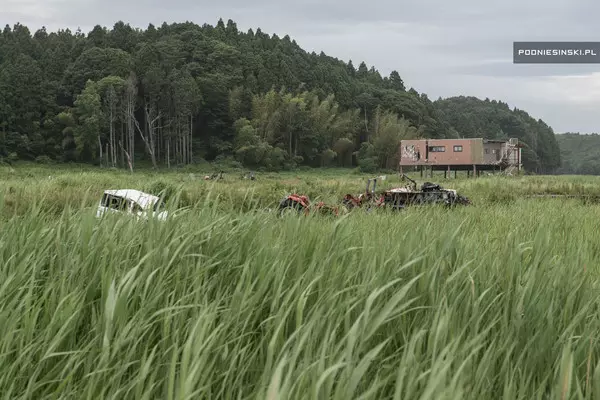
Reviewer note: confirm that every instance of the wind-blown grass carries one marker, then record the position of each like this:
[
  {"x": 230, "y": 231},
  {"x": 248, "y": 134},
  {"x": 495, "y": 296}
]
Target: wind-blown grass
[
  {"x": 54, "y": 189},
  {"x": 476, "y": 302}
]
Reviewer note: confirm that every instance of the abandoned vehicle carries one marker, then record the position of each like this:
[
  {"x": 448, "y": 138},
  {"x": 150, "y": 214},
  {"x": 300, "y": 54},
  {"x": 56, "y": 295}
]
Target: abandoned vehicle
[
  {"x": 395, "y": 199},
  {"x": 132, "y": 202}
]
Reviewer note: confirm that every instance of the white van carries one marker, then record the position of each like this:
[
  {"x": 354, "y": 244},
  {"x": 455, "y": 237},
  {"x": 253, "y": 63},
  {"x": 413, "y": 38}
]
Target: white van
[{"x": 131, "y": 201}]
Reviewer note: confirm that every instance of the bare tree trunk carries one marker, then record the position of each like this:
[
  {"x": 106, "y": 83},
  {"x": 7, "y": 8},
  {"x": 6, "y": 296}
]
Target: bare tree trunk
[
  {"x": 152, "y": 135},
  {"x": 111, "y": 135},
  {"x": 150, "y": 128},
  {"x": 113, "y": 144},
  {"x": 129, "y": 111},
  {"x": 131, "y": 138},
  {"x": 128, "y": 158},
  {"x": 177, "y": 150},
  {"x": 158, "y": 142},
  {"x": 121, "y": 141},
  {"x": 175, "y": 137},
  {"x": 184, "y": 148},
  {"x": 100, "y": 147},
  {"x": 180, "y": 138},
  {"x": 179, "y": 142}
]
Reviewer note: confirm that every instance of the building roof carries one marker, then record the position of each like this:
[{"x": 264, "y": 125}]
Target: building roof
[
  {"x": 495, "y": 141},
  {"x": 145, "y": 200},
  {"x": 459, "y": 139},
  {"x": 451, "y": 139}
]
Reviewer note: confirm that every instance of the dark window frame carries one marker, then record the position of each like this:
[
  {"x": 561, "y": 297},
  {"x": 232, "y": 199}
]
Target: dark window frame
[
  {"x": 437, "y": 149},
  {"x": 115, "y": 202}
]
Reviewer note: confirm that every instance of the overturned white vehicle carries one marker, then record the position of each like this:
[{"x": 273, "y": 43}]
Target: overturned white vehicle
[{"x": 132, "y": 202}]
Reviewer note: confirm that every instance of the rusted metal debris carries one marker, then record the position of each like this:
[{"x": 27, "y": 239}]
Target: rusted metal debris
[
  {"x": 214, "y": 177},
  {"x": 395, "y": 199}
]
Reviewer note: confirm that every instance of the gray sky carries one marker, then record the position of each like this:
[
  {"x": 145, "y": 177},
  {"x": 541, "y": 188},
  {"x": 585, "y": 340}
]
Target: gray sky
[{"x": 442, "y": 48}]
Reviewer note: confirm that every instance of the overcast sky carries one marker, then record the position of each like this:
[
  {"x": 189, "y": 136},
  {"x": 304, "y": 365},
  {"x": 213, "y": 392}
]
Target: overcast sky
[{"x": 439, "y": 47}]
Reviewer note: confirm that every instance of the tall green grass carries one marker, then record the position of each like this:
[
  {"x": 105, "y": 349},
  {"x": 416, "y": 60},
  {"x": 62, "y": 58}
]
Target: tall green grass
[
  {"x": 56, "y": 188},
  {"x": 223, "y": 303}
]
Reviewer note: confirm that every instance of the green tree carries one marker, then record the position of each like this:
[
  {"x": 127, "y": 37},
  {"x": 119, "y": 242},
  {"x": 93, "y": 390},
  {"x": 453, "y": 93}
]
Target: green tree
[
  {"x": 87, "y": 133},
  {"x": 181, "y": 87}
]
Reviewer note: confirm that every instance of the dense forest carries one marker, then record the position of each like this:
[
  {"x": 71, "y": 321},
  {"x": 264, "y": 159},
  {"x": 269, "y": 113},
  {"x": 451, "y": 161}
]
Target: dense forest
[
  {"x": 182, "y": 93},
  {"x": 580, "y": 153},
  {"x": 494, "y": 119}
]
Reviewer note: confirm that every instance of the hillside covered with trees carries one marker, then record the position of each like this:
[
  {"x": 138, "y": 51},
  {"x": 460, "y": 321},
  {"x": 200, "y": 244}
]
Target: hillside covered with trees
[
  {"x": 580, "y": 153},
  {"x": 494, "y": 119},
  {"x": 180, "y": 93}
]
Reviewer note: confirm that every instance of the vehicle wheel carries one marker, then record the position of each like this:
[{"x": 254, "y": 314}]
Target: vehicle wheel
[
  {"x": 290, "y": 206},
  {"x": 349, "y": 204}
]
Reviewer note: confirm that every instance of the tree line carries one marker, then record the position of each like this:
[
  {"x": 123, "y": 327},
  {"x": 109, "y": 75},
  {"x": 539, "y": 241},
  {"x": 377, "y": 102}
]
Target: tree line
[
  {"x": 580, "y": 153},
  {"x": 182, "y": 93}
]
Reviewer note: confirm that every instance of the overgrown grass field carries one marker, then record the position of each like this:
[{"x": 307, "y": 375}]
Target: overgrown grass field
[{"x": 229, "y": 301}]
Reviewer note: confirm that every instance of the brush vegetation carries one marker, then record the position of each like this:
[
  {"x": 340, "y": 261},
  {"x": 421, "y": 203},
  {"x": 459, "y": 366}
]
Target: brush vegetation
[
  {"x": 579, "y": 153},
  {"x": 228, "y": 301}
]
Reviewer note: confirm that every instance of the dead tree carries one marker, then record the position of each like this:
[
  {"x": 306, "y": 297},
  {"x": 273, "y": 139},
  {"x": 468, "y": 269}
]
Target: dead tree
[
  {"x": 111, "y": 99},
  {"x": 129, "y": 111},
  {"x": 152, "y": 116},
  {"x": 128, "y": 157}
]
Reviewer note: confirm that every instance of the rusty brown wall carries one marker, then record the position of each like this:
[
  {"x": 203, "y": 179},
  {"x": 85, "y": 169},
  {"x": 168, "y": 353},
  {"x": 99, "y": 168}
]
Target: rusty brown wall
[{"x": 472, "y": 152}]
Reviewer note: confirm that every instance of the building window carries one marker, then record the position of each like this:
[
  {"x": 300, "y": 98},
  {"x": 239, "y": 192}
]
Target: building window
[
  {"x": 487, "y": 151},
  {"x": 458, "y": 148},
  {"x": 437, "y": 149}
]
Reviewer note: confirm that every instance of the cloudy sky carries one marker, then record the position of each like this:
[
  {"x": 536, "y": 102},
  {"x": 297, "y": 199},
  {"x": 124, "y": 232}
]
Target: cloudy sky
[{"x": 439, "y": 47}]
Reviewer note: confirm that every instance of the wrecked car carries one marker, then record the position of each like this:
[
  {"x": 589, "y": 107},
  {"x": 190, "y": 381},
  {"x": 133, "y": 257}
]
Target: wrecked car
[
  {"x": 132, "y": 202},
  {"x": 400, "y": 197},
  {"x": 301, "y": 204},
  {"x": 395, "y": 199}
]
